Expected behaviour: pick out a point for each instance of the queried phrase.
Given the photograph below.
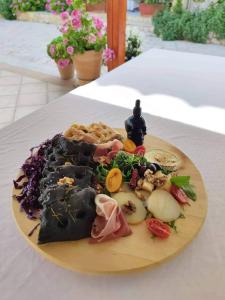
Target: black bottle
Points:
(135, 125)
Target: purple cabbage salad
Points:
(29, 181)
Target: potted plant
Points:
(133, 46)
(87, 36)
(60, 51)
(150, 7)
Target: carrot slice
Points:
(129, 146)
(114, 180)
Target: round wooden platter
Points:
(134, 252)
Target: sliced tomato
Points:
(158, 228)
(140, 150)
(179, 194)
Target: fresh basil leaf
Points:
(180, 181)
(189, 192)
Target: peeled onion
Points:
(163, 206)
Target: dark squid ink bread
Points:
(68, 213)
(82, 175)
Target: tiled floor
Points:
(21, 95)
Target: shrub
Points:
(6, 9)
(216, 19)
(179, 24)
(28, 5)
(153, 1)
(133, 46)
(58, 6)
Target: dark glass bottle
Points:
(135, 125)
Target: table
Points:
(185, 87)
(197, 273)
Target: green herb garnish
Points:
(127, 163)
(172, 225)
(183, 182)
(180, 181)
(188, 189)
(182, 216)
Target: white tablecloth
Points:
(185, 87)
(197, 273)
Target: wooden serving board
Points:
(130, 253)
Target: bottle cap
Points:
(137, 109)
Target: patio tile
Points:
(8, 74)
(6, 115)
(30, 80)
(32, 99)
(55, 95)
(25, 110)
(28, 88)
(8, 80)
(2, 125)
(9, 90)
(54, 88)
(7, 101)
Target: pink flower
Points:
(47, 6)
(65, 41)
(91, 38)
(64, 15)
(64, 29)
(70, 50)
(100, 34)
(52, 50)
(108, 55)
(98, 23)
(76, 13)
(62, 63)
(69, 2)
(76, 23)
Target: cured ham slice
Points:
(110, 222)
(107, 151)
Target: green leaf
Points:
(183, 182)
(188, 189)
(172, 225)
(180, 181)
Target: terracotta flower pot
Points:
(150, 9)
(67, 72)
(88, 66)
(97, 7)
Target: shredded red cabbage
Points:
(32, 169)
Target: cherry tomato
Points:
(140, 150)
(158, 228)
(179, 194)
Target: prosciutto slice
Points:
(107, 151)
(110, 222)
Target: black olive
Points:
(153, 167)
